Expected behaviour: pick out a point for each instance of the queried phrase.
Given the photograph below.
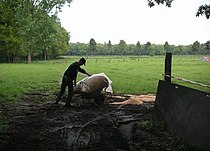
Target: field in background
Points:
(130, 74)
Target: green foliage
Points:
(122, 47)
(202, 10)
(10, 42)
(26, 25)
(139, 49)
(166, 47)
(151, 3)
(92, 47)
(196, 47)
(207, 46)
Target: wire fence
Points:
(188, 81)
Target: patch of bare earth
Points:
(123, 123)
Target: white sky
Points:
(133, 20)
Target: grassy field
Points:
(130, 75)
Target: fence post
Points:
(168, 59)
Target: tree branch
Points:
(202, 10)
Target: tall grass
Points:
(130, 75)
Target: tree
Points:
(10, 42)
(179, 50)
(59, 41)
(26, 28)
(138, 48)
(109, 48)
(195, 47)
(207, 46)
(32, 16)
(151, 3)
(130, 49)
(147, 48)
(122, 46)
(92, 46)
(203, 9)
(101, 49)
(166, 47)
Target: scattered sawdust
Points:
(137, 99)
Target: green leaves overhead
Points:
(48, 6)
(151, 3)
(202, 10)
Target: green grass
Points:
(192, 68)
(22, 78)
(130, 75)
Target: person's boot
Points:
(57, 98)
(68, 101)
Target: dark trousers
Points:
(66, 82)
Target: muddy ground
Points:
(122, 123)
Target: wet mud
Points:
(122, 123)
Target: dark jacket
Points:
(72, 71)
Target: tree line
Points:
(31, 28)
(94, 48)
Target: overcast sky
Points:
(133, 20)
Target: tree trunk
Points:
(8, 58)
(44, 55)
(29, 56)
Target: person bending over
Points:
(69, 79)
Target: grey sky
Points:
(133, 20)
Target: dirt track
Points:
(123, 123)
